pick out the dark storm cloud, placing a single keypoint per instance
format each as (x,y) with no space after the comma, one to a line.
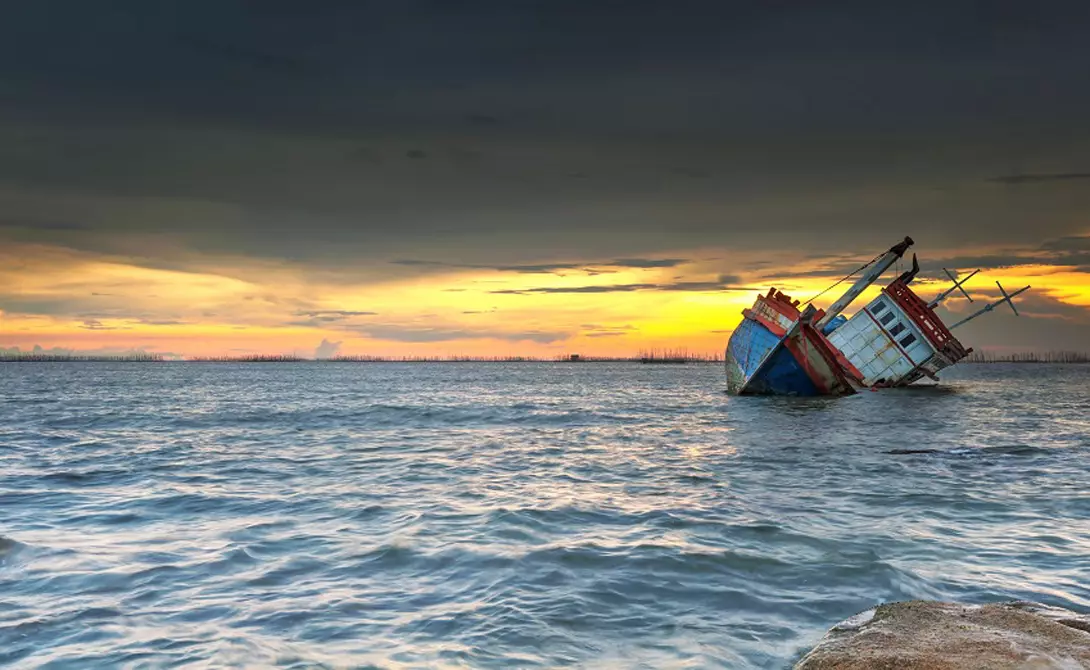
(259,59)
(45,226)
(724,284)
(333,313)
(647,262)
(424,334)
(611,288)
(1045,323)
(548,268)
(1038,178)
(1073,243)
(95,324)
(161,322)
(1069,253)
(521,134)
(326,318)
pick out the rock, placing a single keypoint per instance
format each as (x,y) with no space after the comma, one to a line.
(925,635)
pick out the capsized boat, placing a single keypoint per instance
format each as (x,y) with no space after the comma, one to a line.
(784,348)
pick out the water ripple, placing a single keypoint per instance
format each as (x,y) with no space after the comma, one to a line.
(397,516)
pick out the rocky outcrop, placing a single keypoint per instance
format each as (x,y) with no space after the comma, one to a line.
(924,635)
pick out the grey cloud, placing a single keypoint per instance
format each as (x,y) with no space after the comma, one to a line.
(327,349)
(692,173)
(132,120)
(46,226)
(705,286)
(162,322)
(483,120)
(421,334)
(529,269)
(333,313)
(319,319)
(611,288)
(646,262)
(54,306)
(1045,324)
(625,288)
(95,324)
(1072,252)
(1071,243)
(545,268)
(1042,177)
(252,57)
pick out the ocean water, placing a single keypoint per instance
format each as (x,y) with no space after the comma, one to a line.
(514,515)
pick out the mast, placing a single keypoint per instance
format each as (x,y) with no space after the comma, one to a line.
(869,277)
(958,284)
(1007,298)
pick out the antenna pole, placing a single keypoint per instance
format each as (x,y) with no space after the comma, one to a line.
(869,277)
(956,287)
(1007,298)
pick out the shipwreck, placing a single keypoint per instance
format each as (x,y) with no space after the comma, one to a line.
(784,348)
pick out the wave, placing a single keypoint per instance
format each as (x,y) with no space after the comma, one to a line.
(10,549)
(403,416)
(9,546)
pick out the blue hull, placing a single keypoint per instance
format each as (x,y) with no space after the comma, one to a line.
(758,363)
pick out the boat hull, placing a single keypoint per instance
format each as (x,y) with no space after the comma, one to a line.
(765,358)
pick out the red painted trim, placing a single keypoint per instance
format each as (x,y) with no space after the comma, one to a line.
(780,302)
(812,350)
(838,365)
(846,364)
(795,346)
(775,328)
(890,338)
(926,320)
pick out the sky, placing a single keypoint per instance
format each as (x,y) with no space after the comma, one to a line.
(430,178)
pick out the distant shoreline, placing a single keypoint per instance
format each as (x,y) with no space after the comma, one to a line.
(374,359)
(974,359)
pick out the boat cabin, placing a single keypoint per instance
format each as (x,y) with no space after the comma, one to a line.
(896,339)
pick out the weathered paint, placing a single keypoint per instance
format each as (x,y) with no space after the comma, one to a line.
(763,357)
(925,320)
(781,374)
(893,341)
(821,361)
(894,346)
(749,345)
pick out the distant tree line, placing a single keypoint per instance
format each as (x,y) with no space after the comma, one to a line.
(34,357)
(1029,357)
(248,358)
(647,356)
(675,356)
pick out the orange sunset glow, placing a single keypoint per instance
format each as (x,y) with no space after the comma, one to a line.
(85,302)
(297,193)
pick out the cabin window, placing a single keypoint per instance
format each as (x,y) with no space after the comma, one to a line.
(907,340)
(896,330)
(878,307)
(887,318)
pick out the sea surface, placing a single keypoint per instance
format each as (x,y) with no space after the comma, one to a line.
(514,515)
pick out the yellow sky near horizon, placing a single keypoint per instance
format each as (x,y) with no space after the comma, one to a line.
(56,298)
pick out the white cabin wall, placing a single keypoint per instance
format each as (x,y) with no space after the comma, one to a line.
(869,347)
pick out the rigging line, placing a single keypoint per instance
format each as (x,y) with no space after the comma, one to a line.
(846,277)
